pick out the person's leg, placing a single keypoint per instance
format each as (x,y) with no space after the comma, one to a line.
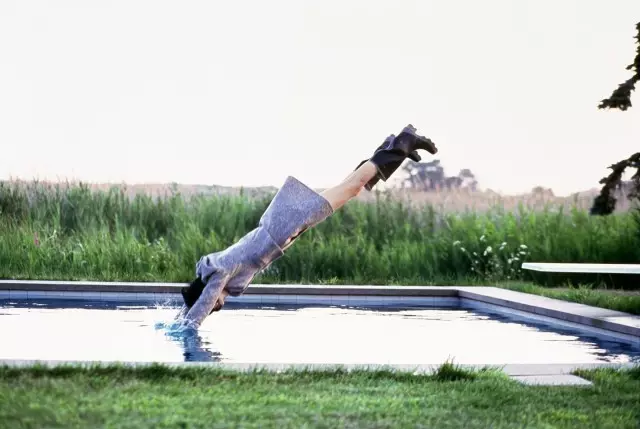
(395,150)
(351,186)
(385,161)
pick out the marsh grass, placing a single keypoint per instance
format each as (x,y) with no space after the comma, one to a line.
(73,232)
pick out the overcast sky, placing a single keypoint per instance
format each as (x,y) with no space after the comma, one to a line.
(248,92)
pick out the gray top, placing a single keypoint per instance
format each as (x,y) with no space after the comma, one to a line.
(294,209)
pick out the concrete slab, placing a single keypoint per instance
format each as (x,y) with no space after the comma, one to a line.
(515,370)
(526,316)
(552,380)
(616,321)
(254,289)
(353,290)
(624,320)
(91,286)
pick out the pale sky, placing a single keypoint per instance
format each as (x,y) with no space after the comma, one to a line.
(248,92)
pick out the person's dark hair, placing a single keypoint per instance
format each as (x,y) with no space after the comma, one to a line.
(191,293)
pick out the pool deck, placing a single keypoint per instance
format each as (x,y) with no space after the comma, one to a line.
(602,321)
(594,317)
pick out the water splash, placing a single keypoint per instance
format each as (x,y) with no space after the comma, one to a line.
(166,304)
(177,328)
(183,332)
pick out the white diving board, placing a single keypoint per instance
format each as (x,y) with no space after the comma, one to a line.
(582,268)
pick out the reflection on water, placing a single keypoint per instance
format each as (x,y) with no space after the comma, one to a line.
(194,348)
(103,331)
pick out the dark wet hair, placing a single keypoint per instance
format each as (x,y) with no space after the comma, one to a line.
(191,293)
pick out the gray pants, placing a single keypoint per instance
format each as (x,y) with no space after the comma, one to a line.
(294,209)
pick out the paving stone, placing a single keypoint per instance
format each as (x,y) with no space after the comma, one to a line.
(552,380)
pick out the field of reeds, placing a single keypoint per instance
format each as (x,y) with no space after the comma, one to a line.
(75,232)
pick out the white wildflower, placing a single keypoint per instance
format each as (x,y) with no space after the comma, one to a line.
(522,246)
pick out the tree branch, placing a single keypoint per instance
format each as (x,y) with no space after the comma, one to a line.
(605,203)
(621,97)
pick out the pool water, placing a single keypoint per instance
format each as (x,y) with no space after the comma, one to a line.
(104,331)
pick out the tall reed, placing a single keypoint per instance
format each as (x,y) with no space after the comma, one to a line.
(72,232)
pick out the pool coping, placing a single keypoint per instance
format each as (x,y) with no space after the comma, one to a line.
(597,319)
(594,317)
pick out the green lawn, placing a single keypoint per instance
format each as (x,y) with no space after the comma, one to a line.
(157,397)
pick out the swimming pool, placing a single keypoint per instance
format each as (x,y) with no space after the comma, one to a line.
(58,329)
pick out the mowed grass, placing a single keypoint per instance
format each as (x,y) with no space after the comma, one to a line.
(72,233)
(159,397)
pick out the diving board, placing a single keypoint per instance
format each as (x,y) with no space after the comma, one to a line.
(582,268)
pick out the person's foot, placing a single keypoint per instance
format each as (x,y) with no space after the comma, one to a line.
(394,150)
(384,145)
(409,141)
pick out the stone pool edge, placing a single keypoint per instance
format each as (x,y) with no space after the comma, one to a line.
(580,314)
(533,305)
